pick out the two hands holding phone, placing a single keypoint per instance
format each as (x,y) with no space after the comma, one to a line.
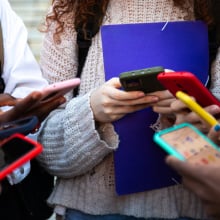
(130,92)
(201,179)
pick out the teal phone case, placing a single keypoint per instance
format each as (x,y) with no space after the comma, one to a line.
(170,149)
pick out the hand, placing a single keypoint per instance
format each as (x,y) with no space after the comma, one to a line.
(183,114)
(7,100)
(23,108)
(163,107)
(109,103)
(214,134)
(203,180)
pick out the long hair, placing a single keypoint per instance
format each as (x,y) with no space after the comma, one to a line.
(92,12)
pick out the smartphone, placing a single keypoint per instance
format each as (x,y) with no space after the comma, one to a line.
(186,142)
(57,89)
(23,126)
(190,84)
(195,107)
(16,151)
(142,80)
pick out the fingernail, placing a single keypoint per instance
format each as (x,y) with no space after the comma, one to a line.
(141,94)
(62,100)
(217,127)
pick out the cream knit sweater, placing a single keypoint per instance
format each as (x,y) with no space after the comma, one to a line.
(80,155)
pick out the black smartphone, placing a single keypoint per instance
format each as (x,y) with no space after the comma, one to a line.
(142,80)
(23,126)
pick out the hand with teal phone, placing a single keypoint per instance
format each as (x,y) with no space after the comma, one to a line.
(185,141)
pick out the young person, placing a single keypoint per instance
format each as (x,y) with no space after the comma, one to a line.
(21,75)
(79,140)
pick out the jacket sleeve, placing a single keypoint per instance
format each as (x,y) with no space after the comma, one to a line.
(21,72)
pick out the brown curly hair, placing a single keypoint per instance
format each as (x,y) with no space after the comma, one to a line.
(90,13)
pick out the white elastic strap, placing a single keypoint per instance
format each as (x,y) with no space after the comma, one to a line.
(19,174)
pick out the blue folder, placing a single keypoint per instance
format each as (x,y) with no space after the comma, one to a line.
(139,162)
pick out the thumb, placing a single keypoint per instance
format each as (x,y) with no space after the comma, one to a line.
(114,82)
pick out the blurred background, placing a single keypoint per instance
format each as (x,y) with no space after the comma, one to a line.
(32,13)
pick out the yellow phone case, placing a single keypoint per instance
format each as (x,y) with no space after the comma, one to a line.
(194,106)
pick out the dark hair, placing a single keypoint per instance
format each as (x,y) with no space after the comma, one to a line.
(91,12)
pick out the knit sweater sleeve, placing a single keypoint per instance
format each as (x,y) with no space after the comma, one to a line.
(72,143)
(215,76)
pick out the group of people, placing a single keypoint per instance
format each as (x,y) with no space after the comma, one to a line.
(78,137)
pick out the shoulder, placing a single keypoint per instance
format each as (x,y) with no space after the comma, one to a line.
(12,24)
(5,9)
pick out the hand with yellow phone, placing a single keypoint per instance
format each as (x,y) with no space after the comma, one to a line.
(186,109)
(195,107)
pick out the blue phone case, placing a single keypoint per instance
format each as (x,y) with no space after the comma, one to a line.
(23,126)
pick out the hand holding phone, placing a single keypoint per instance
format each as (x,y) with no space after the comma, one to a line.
(195,107)
(58,89)
(142,80)
(186,142)
(16,151)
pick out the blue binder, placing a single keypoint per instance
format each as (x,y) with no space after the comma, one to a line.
(183,45)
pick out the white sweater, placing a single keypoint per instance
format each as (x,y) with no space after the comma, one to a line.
(80,155)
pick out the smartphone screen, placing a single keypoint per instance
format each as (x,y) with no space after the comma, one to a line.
(12,150)
(191,145)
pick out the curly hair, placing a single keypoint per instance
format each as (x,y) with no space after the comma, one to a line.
(90,13)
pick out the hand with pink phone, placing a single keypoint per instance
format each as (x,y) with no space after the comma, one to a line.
(58,89)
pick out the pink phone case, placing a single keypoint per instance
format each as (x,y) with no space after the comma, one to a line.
(188,83)
(57,89)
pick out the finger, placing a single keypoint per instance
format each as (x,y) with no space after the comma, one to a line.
(182,167)
(44,109)
(114,82)
(214,133)
(213,109)
(212,210)
(7,100)
(164,94)
(125,109)
(178,105)
(193,117)
(21,107)
(112,96)
(26,103)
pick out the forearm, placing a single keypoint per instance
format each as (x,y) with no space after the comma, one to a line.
(72,145)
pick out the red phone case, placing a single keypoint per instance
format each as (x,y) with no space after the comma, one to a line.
(29,150)
(188,83)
